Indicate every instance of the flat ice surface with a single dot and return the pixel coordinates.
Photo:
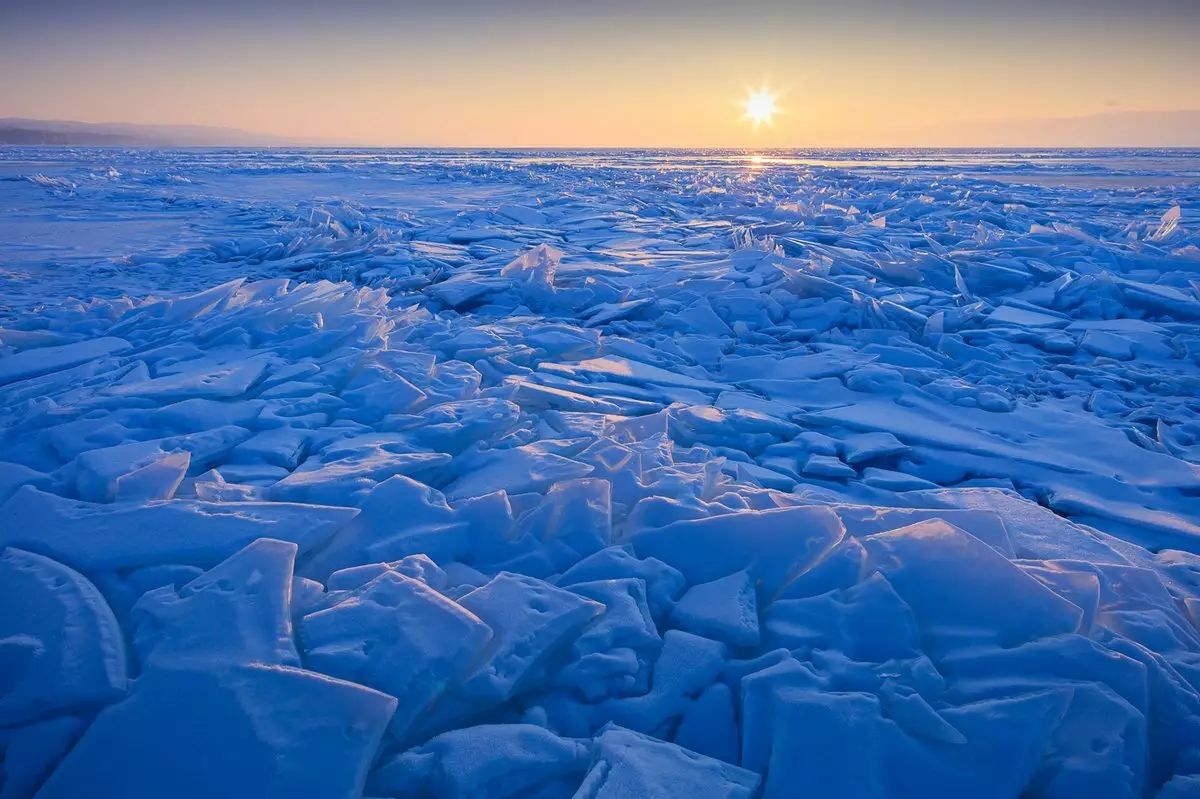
(599, 474)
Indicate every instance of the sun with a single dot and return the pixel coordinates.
(760, 106)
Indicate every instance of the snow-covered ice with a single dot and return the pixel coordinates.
(601, 474)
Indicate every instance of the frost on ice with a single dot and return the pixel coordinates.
(599, 476)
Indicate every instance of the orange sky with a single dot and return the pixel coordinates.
(594, 79)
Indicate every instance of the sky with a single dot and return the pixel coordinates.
(608, 73)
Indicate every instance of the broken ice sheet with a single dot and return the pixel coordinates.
(878, 476)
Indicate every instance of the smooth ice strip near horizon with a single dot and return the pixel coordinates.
(599, 475)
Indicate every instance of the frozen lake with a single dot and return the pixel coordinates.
(853, 473)
(129, 208)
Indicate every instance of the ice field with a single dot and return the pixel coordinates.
(599, 475)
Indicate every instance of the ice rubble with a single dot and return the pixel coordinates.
(705, 482)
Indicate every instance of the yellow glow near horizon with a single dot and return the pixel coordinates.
(679, 82)
(760, 107)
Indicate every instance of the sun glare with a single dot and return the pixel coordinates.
(760, 106)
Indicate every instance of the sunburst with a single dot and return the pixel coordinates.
(761, 106)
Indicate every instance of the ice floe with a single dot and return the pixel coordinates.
(634, 474)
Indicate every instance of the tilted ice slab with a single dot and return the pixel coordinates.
(62, 645)
(97, 537)
(516, 478)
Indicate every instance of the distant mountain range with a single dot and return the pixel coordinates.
(59, 132)
(1115, 129)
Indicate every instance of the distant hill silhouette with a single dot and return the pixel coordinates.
(60, 132)
(1114, 129)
